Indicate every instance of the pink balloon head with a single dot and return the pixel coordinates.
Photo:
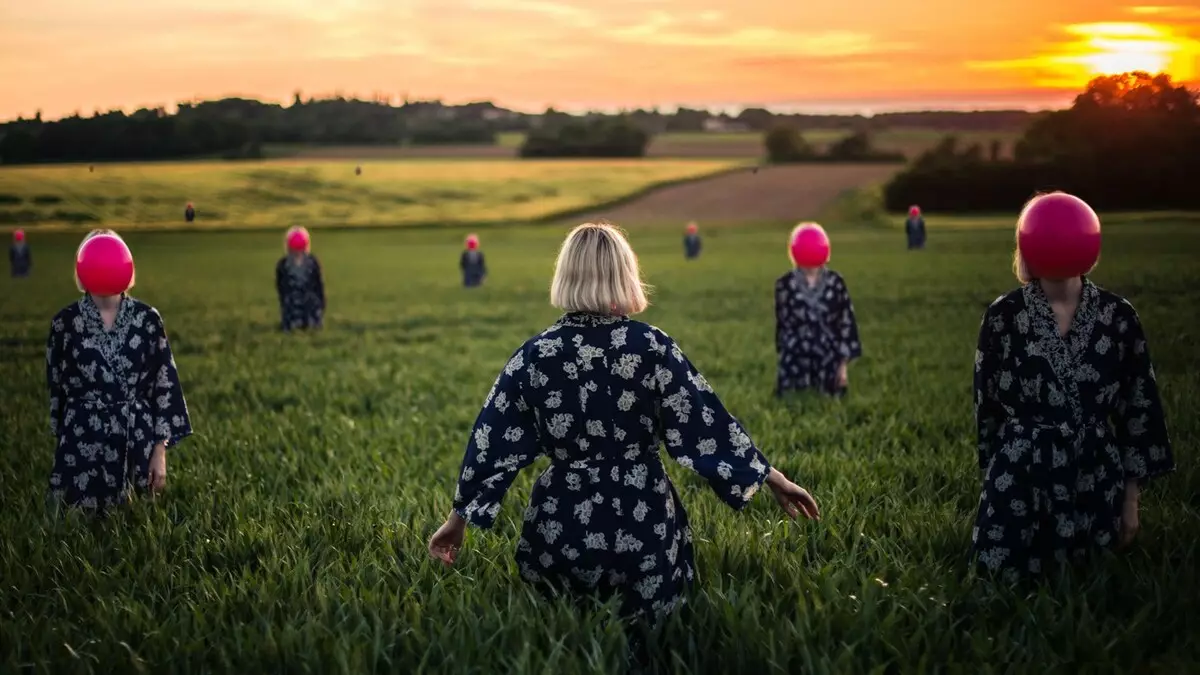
(914, 211)
(18, 235)
(691, 228)
(809, 246)
(298, 240)
(104, 265)
(1058, 236)
(472, 242)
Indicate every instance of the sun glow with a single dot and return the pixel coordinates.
(1114, 48)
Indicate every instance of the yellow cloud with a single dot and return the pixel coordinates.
(1167, 11)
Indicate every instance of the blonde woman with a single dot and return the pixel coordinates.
(598, 392)
(299, 283)
(116, 404)
(1069, 421)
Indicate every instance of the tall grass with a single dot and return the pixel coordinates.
(292, 537)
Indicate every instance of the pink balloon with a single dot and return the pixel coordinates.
(298, 240)
(19, 235)
(104, 265)
(472, 242)
(914, 210)
(1058, 236)
(809, 246)
(691, 228)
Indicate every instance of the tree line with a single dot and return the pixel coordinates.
(1128, 142)
(237, 128)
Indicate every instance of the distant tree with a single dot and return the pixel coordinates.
(786, 144)
(1128, 141)
(600, 137)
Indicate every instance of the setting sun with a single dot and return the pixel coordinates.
(1113, 48)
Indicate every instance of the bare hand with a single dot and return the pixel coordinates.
(446, 542)
(1130, 523)
(843, 375)
(158, 468)
(792, 498)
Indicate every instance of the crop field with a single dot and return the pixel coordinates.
(297, 192)
(292, 536)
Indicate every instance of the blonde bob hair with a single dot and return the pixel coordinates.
(97, 233)
(1019, 267)
(288, 235)
(597, 272)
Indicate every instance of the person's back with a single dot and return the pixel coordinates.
(597, 393)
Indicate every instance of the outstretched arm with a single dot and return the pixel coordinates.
(503, 441)
(701, 434)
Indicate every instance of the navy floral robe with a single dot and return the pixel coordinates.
(915, 229)
(815, 331)
(691, 246)
(114, 395)
(473, 268)
(301, 293)
(1062, 424)
(598, 395)
(20, 259)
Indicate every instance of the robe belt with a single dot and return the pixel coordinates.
(128, 408)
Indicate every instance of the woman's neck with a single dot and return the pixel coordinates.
(107, 302)
(1062, 290)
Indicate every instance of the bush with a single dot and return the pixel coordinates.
(605, 137)
(786, 144)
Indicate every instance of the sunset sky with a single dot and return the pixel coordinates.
(63, 56)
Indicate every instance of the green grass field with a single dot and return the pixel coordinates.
(313, 193)
(292, 537)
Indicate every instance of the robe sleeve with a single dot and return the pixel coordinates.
(503, 441)
(318, 282)
(702, 435)
(845, 324)
(55, 376)
(279, 278)
(783, 324)
(989, 412)
(172, 423)
(462, 261)
(1141, 427)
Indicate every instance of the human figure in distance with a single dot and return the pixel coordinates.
(816, 331)
(116, 404)
(300, 284)
(597, 393)
(472, 264)
(1069, 420)
(189, 213)
(914, 228)
(691, 242)
(20, 258)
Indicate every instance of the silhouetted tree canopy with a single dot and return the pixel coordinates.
(1129, 142)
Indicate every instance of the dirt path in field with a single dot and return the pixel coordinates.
(772, 193)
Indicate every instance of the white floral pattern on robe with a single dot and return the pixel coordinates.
(1062, 423)
(598, 395)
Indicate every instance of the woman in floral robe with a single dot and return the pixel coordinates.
(816, 333)
(1070, 425)
(116, 404)
(597, 392)
(301, 290)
